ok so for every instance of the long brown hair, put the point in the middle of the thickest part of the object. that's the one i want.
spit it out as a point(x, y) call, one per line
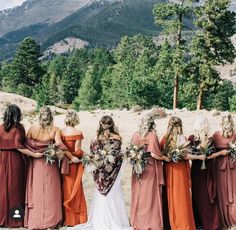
point(173, 130)
point(107, 123)
point(12, 117)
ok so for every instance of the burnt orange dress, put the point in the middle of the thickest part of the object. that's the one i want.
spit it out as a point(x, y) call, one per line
point(74, 203)
point(178, 189)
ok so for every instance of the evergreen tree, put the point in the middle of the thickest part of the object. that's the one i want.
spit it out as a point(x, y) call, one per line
point(25, 71)
point(71, 81)
point(212, 44)
point(162, 73)
point(89, 94)
point(171, 16)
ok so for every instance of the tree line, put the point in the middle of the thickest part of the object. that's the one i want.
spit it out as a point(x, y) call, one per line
point(178, 71)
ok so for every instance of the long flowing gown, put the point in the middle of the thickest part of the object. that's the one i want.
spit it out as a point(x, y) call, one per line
point(43, 191)
point(146, 199)
point(178, 189)
point(204, 193)
point(75, 210)
point(12, 175)
point(108, 209)
point(226, 181)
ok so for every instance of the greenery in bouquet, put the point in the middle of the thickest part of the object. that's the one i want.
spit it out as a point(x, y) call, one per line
point(138, 157)
point(53, 153)
point(177, 152)
point(102, 155)
point(207, 148)
point(232, 150)
point(90, 162)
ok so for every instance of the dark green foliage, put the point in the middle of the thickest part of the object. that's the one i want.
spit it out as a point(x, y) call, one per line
point(25, 70)
point(129, 81)
point(220, 98)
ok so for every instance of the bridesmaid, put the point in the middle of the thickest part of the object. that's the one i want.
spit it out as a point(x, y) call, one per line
point(43, 190)
point(146, 197)
point(226, 171)
point(203, 186)
point(75, 210)
point(12, 168)
point(178, 182)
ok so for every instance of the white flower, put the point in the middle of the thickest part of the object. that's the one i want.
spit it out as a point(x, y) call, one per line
point(103, 152)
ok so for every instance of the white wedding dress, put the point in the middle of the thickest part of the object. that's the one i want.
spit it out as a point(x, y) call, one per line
point(107, 212)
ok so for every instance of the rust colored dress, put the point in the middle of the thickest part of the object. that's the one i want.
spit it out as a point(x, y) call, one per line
point(204, 193)
point(226, 182)
point(43, 190)
point(178, 189)
point(146, 199)
point(12, 175)
point(74, 203)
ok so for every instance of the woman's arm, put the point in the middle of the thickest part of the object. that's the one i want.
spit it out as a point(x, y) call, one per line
point(30, 153)
point(190, 156)
point(223, 152)
point(160, 157)
point(58, 141)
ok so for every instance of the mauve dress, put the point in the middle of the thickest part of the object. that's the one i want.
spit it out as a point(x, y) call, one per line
point(226, 182)
point(74, 203)
point(146, 196)
point(12, 175)
point(204, 194)
point(43, 191)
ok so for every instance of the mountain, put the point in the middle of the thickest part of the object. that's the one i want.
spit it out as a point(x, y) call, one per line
point(33, 12)
point(98, 22)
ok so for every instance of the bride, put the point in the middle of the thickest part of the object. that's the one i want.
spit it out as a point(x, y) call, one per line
point(108, 210)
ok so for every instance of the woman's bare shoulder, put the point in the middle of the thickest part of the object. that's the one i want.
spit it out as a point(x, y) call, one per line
point(71, 131)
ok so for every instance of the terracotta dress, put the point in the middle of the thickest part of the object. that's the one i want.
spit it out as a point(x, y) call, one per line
point(12, 175)
point(178, 191)
point(204, 193)
point(43, 191)
point(146, 197)
point(226, 182)
point(75, 210)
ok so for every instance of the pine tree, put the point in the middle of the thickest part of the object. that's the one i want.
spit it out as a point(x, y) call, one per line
point(212, 44)
point(89, 96)
point(171, 16)
point(25, 71)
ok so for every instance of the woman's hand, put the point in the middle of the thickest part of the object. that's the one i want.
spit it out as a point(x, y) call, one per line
point(74, 160)
point(166, 159)
point(202, 157)
point(224, 152)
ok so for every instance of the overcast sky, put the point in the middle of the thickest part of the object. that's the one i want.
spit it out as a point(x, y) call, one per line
point(4, 4)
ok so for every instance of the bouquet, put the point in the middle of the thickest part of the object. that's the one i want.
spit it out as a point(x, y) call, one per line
point(177, 154)
point(101, 155)
point(52, 153)
point(138, 157)
point(206, 148)
point(232, 150)
point(90, 161)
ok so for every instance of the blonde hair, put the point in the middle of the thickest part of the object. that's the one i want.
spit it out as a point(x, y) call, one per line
point(174, 129)
point(227, 124)
point(45, 117)
point(72, 118)
point(146, 125)
point(201, 127)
